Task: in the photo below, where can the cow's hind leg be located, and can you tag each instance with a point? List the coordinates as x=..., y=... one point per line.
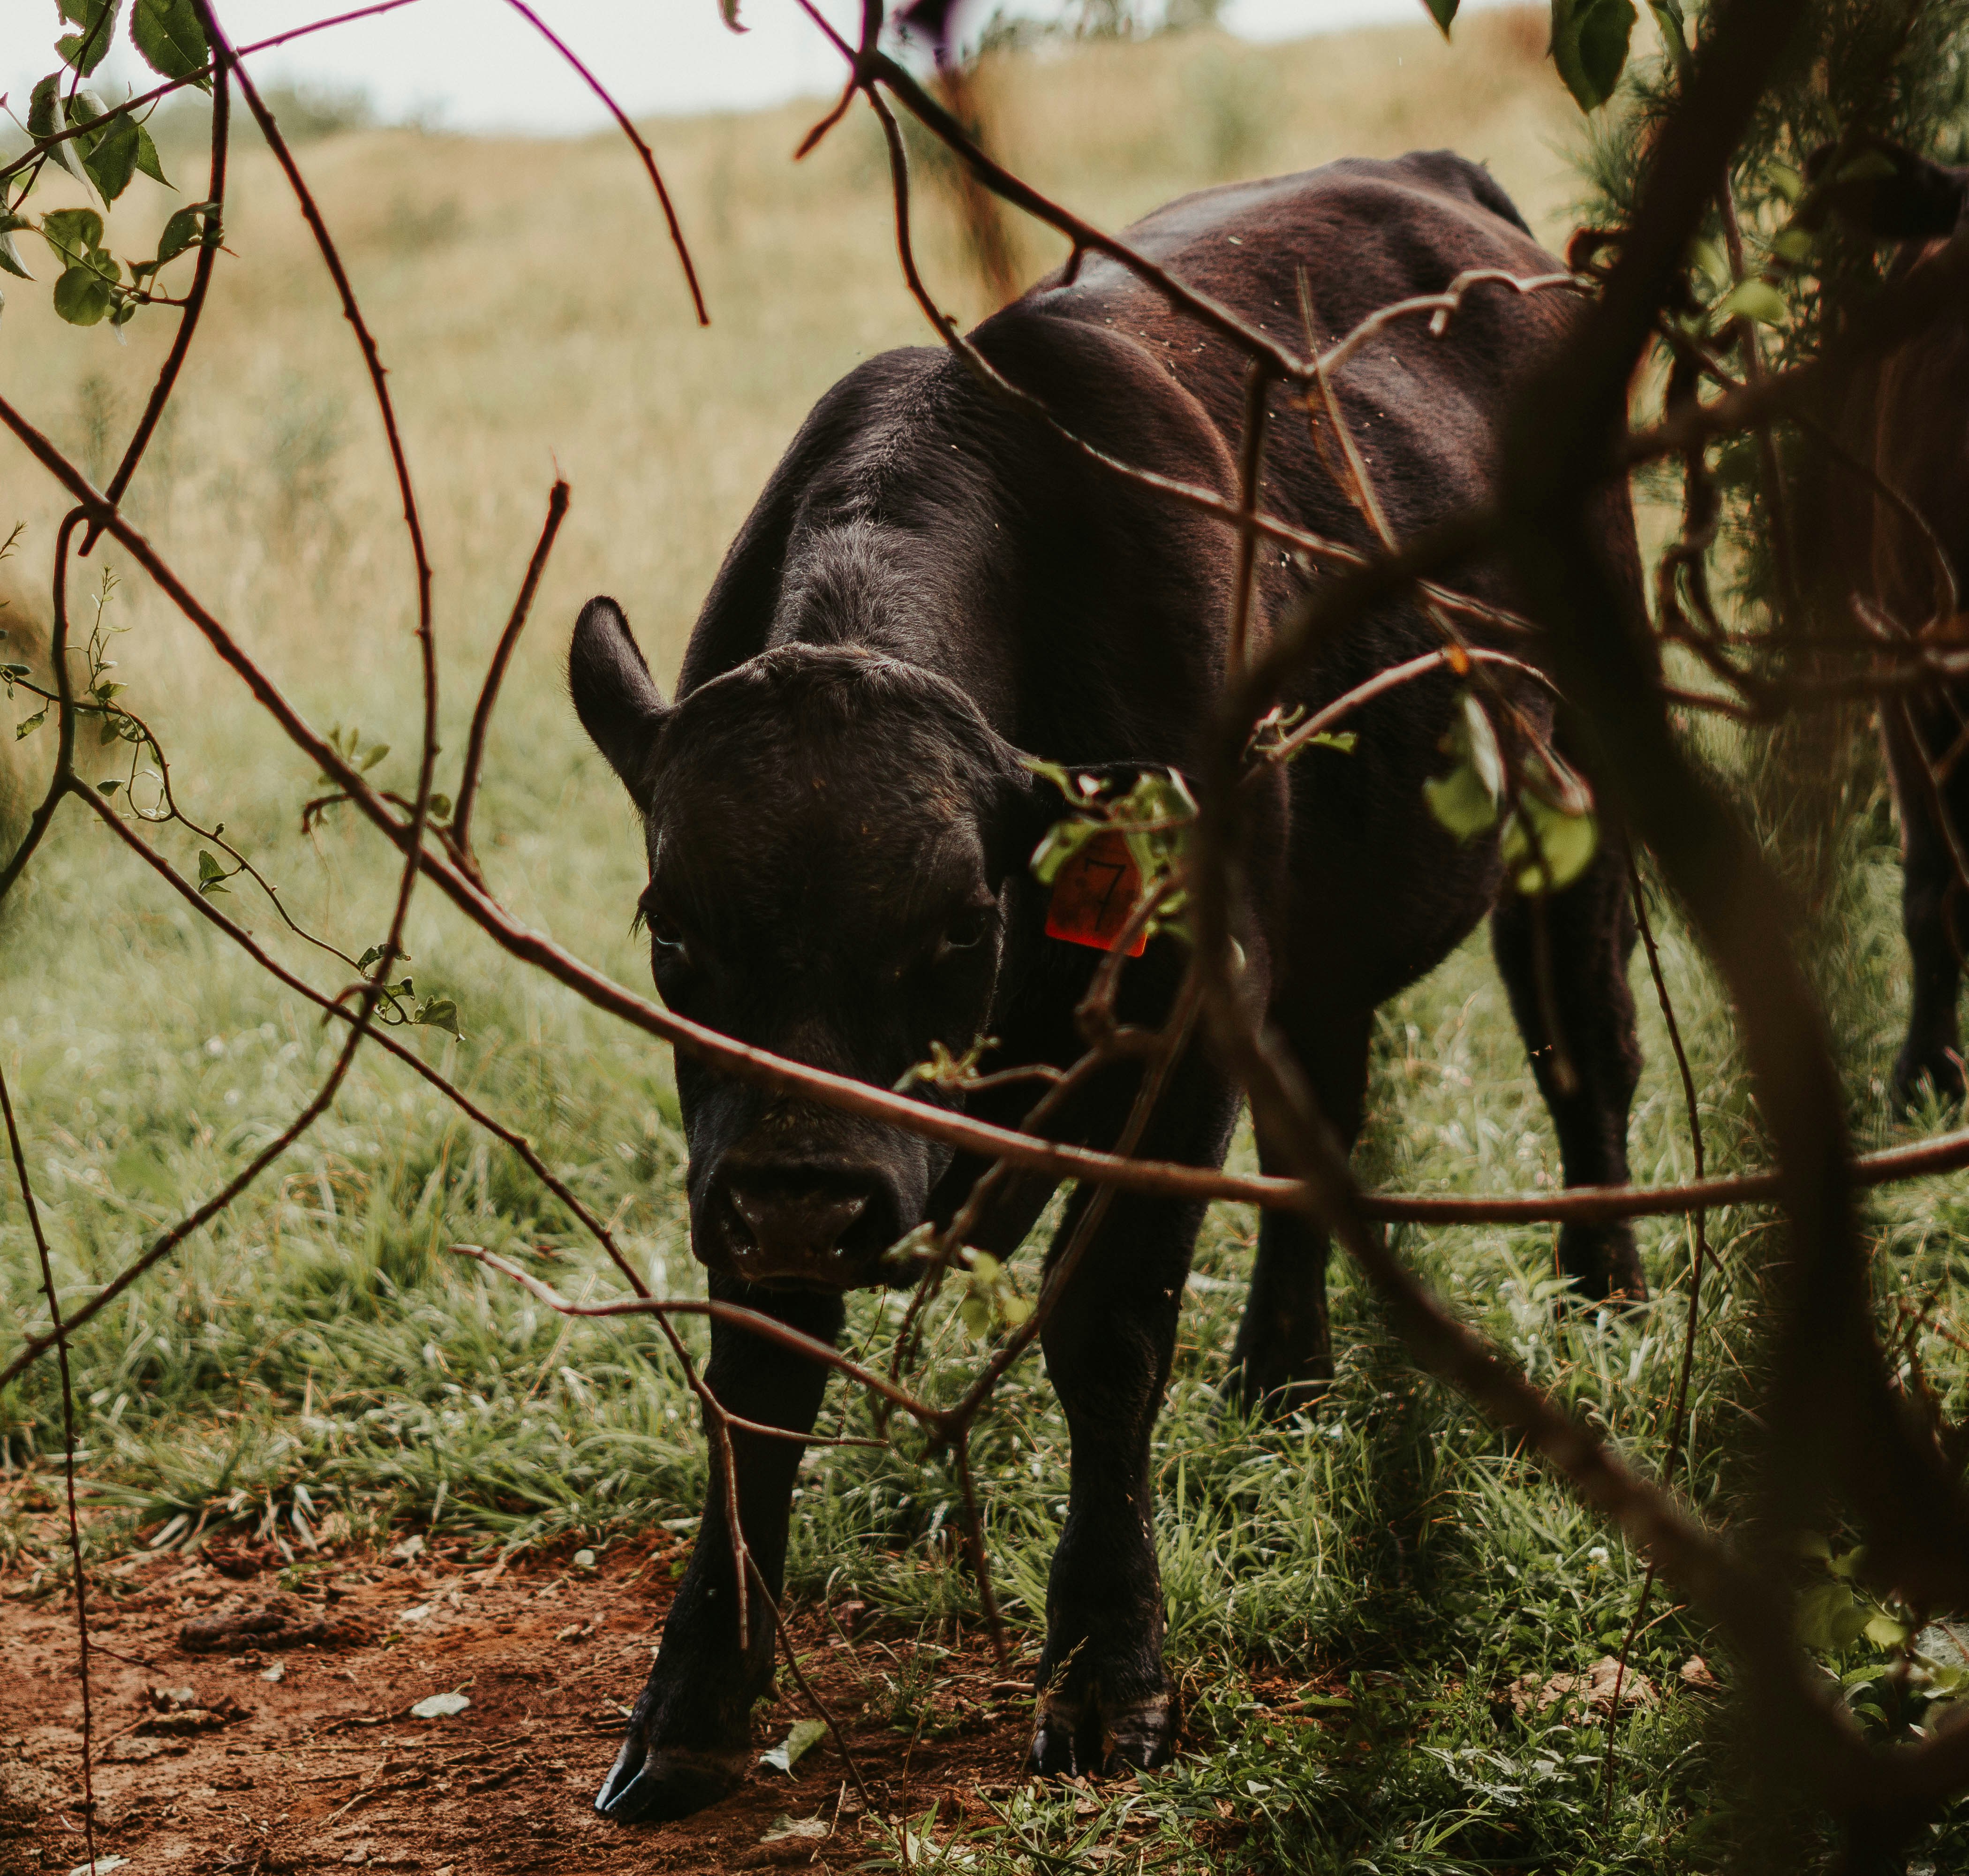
x=1103, y=1705
x=690, y=1739
x=1588, y=938
x=1283, y=1358
x=1934, y=914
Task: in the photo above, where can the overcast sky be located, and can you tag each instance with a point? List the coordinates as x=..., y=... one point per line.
x=477, y=65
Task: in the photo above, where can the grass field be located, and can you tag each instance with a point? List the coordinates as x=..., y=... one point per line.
x=315, y=1368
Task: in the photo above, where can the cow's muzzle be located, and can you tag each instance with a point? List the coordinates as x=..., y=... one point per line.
x=800, y=1226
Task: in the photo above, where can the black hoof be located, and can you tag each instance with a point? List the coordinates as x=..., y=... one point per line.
x=1604, y=1263
x=1930, y=1074
x=653, y=1785
x=1087, y=1739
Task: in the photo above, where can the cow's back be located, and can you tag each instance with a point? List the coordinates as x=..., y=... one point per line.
x=1358, y=236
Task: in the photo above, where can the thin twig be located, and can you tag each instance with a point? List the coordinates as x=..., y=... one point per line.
x=643, y=150
x=488, y=693
x=1699, y=1236
x=210, y=236
x=68, y=1462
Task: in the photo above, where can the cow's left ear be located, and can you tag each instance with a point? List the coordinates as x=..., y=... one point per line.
x=615, y=697
x=1887, y=191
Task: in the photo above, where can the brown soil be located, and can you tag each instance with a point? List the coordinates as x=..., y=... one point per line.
x=324, y=1765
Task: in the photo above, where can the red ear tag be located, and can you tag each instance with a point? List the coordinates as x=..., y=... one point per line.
x=1093, y=894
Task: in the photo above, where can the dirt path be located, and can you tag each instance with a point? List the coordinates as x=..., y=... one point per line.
x=273, y=1759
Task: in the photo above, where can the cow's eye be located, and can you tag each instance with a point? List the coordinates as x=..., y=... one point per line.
x=664, y=933
x=968, y=929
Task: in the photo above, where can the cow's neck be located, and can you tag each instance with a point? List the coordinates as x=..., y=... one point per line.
x=898, y=591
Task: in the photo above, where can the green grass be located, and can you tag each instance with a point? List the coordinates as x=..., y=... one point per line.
x=316, y=1361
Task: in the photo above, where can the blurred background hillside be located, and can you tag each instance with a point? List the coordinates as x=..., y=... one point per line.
x=533, y=318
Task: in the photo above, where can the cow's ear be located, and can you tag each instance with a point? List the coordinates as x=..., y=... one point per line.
x=1887, y=191
x=614, y=695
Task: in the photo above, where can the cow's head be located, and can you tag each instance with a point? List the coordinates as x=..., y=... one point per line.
x=836, y=840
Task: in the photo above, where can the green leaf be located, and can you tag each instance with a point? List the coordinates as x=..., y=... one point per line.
x=112, y=159
x=1461, y=801
x=82, y=296
x=1785, y=181
x=1828, y=1618
x=1343, y=740
x=86, y=49
x=10, y=256
x=1475, y=741
x=108, y=787
x=76, y=232
x=1466, y=799
x=727, y=10
x=1566, y=844
x=1872, y=166
x=371, y=756
x=438, y=1013
x=147, y=159
x=1674, y=28
x=32, y=723
x=1753, y=299
x=1884, y=1632
x=183, y=230
x=168, y=33
x=976, y=1311
x=1063, y=840
x=1793, y=245
x=1589, y=46
x=440, y=807
x=1443, y=12
x=211, y=877
x=1052, y=772
x=42, y=102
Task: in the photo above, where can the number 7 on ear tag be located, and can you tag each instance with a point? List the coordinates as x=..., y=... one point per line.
x=1093, y=894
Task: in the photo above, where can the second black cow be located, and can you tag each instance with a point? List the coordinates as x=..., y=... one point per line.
x=934, y=586
x=1895, y=538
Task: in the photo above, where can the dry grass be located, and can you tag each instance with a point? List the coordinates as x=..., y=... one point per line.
x=532, y=316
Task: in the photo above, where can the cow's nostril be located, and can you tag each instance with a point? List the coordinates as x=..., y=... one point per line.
x=808, y=1224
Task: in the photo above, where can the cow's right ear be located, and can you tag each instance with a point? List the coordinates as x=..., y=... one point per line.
x=1887, y=191
x=615, y=697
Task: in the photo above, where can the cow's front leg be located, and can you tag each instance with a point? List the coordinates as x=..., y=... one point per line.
x=689, y=1739
x=1103, y=1703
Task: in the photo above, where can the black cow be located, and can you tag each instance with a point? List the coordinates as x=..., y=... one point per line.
x=1906, y=418
x=840, y=825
